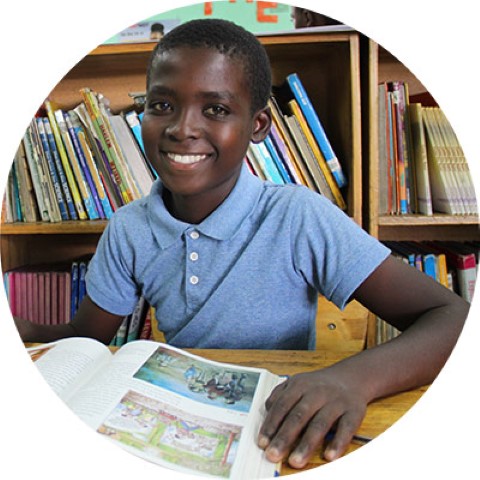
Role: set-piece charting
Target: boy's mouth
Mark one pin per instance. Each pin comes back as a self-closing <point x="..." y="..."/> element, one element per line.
<point x="186" y="159"/>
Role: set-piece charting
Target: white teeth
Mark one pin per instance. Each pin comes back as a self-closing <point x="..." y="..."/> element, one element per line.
<point x="186" y="159"/>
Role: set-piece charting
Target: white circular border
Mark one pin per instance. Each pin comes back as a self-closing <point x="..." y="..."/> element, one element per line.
<point x="41" y="41"/>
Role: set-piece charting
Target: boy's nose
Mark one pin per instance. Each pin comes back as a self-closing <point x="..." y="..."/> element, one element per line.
<point x="183" y="125"/>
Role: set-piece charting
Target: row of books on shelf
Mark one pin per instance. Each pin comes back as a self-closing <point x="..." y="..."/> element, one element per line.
<point x="422" y="166"/>
<point x="297" y="149"/>
<point x="78" y="164"/>
<point x="87" y="162"/>
<point x="51" y="294"/>
<point x="453" y="264"/>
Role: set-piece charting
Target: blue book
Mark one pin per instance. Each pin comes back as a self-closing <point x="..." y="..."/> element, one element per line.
<point x="430" y="265"/>
<point x="52" y="170"/>
<point x="278" y="161"/>
<point x="82" y="271"/>
<point x="94" y="211"/>
<point x="74" y="289"/>
<point x="134" y="121"/>
<point x="317" y="128"/>
<point x="266" y="163"/>
<point x="61" y="174"/>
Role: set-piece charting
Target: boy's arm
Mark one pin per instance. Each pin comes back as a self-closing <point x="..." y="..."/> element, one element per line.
<point x="306" y="407"/>
<point x="89" y="321"/>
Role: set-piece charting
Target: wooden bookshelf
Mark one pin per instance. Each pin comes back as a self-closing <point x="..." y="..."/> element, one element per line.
<point x="379" y="66"/>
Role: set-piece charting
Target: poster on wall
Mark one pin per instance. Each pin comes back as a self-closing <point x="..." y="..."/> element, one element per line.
<point x="255" y="16"/>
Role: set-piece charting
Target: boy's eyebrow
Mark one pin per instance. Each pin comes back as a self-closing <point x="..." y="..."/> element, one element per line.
<point x="208" y="95"/>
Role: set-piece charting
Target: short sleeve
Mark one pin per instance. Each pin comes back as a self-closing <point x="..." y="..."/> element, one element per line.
<point x="331" y="251"/>
<point x="109" y="280"/>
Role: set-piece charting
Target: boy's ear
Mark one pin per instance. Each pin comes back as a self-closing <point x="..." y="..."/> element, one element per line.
<point x="262" y="121"/>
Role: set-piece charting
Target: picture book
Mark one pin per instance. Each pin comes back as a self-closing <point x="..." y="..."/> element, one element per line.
<point x="163" y="404"/>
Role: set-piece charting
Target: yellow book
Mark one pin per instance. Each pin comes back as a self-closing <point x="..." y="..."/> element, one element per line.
<point x="295" y="109"/>
<point x="77" y="200"/>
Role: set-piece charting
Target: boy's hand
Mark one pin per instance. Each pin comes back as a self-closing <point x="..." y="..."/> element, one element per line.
<point x="302" y="410"/>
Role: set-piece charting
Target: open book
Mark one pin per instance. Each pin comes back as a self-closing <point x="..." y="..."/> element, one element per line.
<point x="163" y="404"/>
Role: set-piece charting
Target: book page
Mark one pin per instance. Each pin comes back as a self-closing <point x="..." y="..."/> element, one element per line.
<point x="66" y="364"/>
<point x="179" y="410"/>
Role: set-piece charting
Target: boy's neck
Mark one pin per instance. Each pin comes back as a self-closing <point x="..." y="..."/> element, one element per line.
<point x="191" y="210"/>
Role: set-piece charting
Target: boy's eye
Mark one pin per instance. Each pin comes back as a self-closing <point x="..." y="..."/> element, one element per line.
<point x="161" y="107"/>
<point x="216" y="111"/>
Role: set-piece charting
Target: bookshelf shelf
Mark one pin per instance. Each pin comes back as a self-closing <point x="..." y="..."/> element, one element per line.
<point x="422" y="220"/>
<point x="65" y="228"/>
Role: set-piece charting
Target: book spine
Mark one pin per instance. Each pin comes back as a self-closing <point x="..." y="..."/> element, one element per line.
<point x="105" y="140"/>
<point x="44" y="171"/>
<point x="133" y="121"/>
<point x="59" y="169"/>
<point x="99" y="157"/>
<point x="92" y="201"/>
<point x="318" y="131"/>
<point x="77" y="172"/>
<point x="266" y="163"/>
<point x="318" y="155"/>
<point x="74" y="278"/>
<point x="281" y="146"/>
<point x="401" y="151"/>
<point x="67" y="170"/>
<point x="34" y="171"/>
<point x="277" y="160"/>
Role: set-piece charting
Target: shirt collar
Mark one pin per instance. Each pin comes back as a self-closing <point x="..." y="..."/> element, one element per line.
<point x="221" y="224"/>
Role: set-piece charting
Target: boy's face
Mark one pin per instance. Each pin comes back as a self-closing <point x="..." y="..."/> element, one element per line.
<point x="198" y="122"/>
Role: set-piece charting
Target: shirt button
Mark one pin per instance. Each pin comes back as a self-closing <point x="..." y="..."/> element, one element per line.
<point x="194" y="235"/>
<point x="194" y="256"/>
<point x="193" y="279"/>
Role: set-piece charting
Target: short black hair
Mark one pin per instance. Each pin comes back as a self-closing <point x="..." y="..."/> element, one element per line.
<point x="229" y="39"/>
<point x="157" y="27"/>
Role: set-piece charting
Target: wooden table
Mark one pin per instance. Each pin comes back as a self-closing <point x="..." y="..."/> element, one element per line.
<point x="380" y="415"/>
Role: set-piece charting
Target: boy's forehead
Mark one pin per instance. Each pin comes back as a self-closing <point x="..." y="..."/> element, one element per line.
<point x="199" y="59"/>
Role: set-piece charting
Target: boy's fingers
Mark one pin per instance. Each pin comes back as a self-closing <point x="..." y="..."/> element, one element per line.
<point x="346" y="429"/>
<point x="278" y="409"/>
<point x="314" y="436"/>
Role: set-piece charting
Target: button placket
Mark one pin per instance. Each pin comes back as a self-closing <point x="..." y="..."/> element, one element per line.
<point x="193" y="256"/>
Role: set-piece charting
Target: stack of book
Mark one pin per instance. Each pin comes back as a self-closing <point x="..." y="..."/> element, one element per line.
<point x="453" y="264"/>
<point x="46" y="294"/>
<point x="80" y="164"/>
<point x="51" y="294"/>
<point x="422" y="167"/>
<point x="297" y="149"/>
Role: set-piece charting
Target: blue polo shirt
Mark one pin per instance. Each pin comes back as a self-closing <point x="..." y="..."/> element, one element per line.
<point x="248" y="276"/>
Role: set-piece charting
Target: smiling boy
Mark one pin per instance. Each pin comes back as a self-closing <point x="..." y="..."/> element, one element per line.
<point x="229" y="261"/>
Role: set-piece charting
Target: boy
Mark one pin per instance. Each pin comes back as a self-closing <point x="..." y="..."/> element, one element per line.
<point x="230" y="261"/>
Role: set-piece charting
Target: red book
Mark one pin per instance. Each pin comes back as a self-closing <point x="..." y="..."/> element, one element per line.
<point x="41" y="297"/>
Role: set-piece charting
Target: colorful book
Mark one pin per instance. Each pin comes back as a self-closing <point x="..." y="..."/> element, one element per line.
<point x="316" y="126"/>
<point x="266" y="163"/>
<point x="108" y="148"/>
<point x="87" y="149"/>
<point x="80" y="212"/>
<point x="46" y="179"/>
<point x="57" y="163"/>
<point x="83" y="188"/>
<point x="272" y="150"/>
